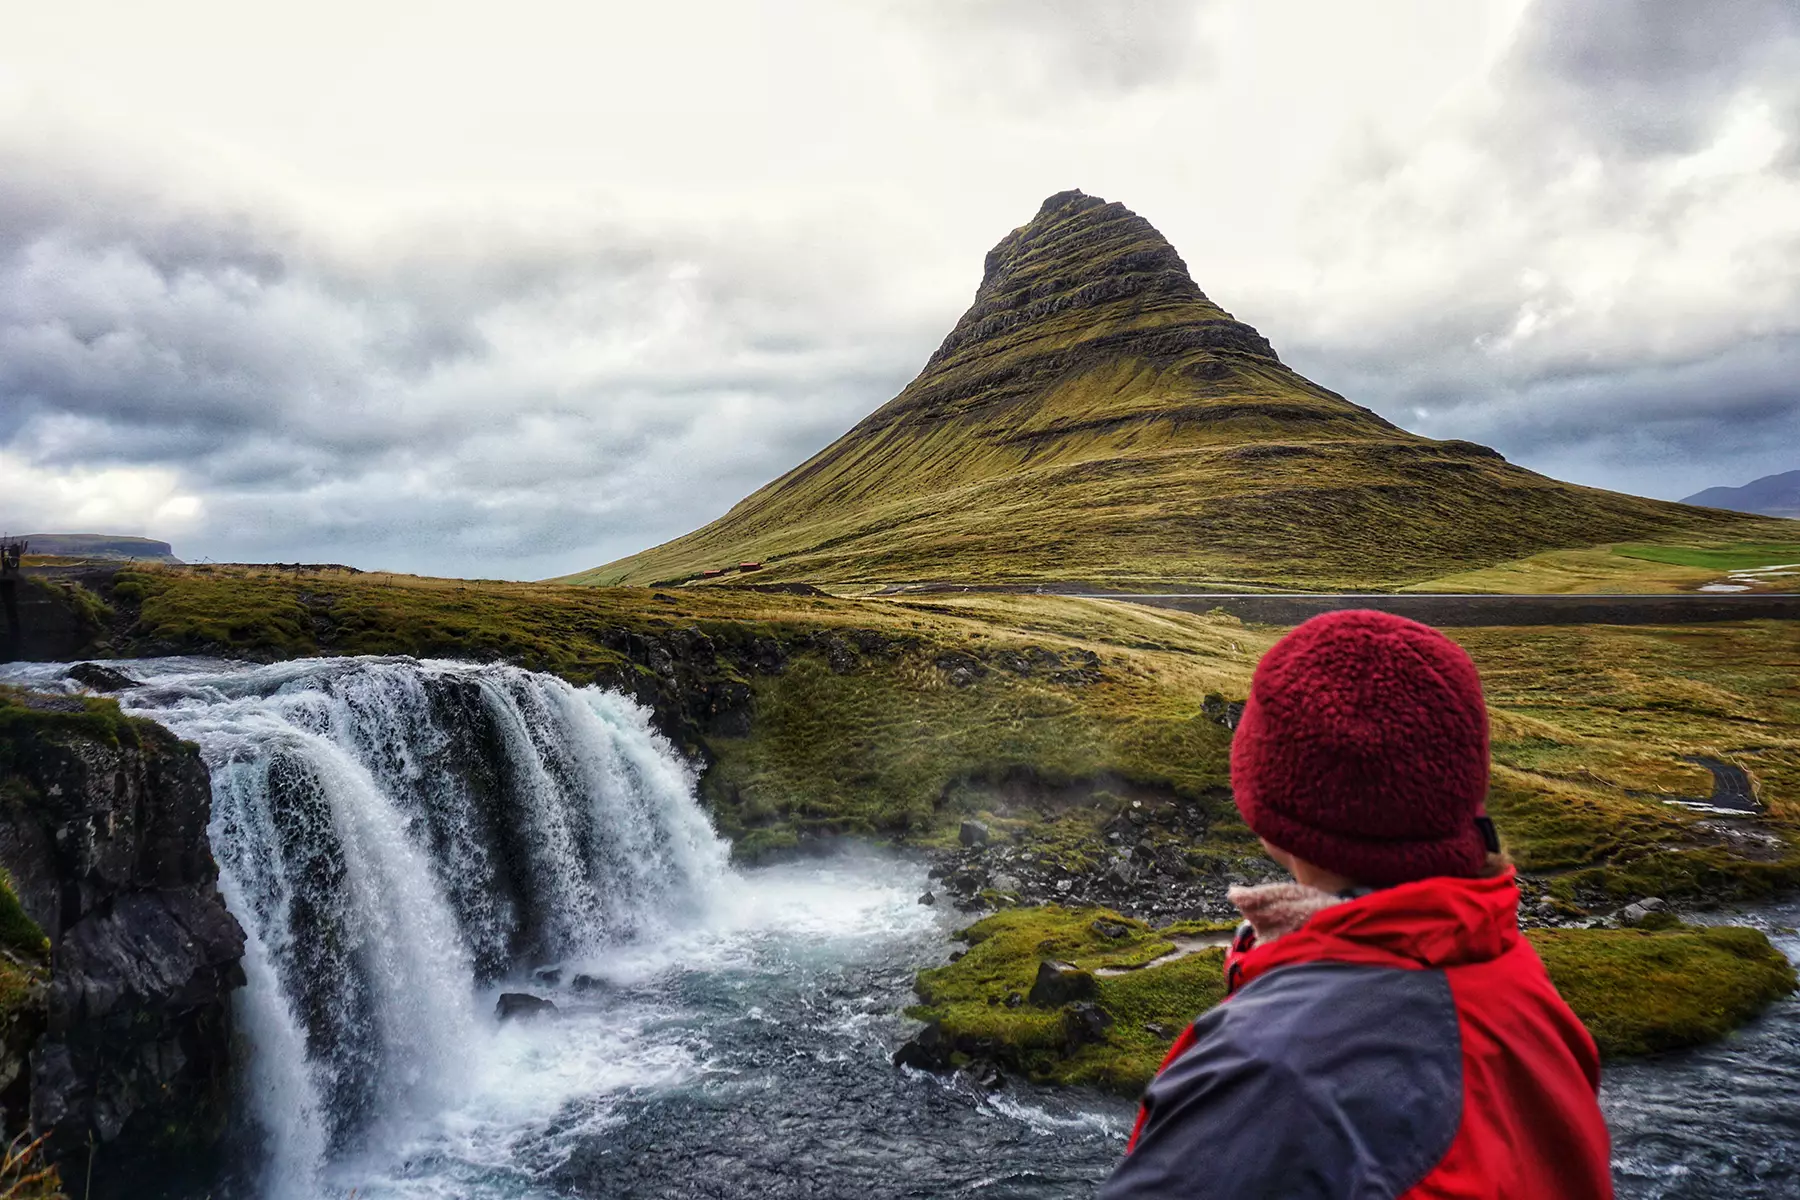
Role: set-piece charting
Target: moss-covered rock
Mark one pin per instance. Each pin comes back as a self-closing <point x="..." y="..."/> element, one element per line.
<point x="1642" y="991"/>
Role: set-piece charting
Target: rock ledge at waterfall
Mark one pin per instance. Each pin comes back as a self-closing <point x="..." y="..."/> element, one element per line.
<point x="103" y="824"/>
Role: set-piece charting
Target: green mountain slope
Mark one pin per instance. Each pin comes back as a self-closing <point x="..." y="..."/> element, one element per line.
<point x="1094" y="417"/>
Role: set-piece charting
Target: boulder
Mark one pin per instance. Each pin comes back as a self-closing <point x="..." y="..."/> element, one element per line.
<point x="972" y="833"/>
<point x="1084" y="1024"/>
<point x="928" y="1050"/>
<point x="1060" y="983"/>
<point x="1110" y="929"/>
<point x="522" y="1005"/>
<point x="99" y="678"/>
<point x="1636" y="914"/>
<point x="928" y="899"/>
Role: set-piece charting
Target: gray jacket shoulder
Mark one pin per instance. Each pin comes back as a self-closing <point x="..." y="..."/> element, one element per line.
<point x="1318" y="1080"/>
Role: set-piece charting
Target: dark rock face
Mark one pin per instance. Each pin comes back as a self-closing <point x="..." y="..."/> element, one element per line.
<point x="522" y="1005"/>
<point x="105" y="839"/>
<point x="1081" y="252"/>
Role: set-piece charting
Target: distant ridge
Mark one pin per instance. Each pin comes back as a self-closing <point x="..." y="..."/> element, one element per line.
<point x="100" y="545"/>
<point x="1771" y="496"/>
<point x="1094" y="416"/>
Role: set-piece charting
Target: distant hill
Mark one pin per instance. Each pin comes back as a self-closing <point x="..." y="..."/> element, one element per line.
<point x="1771" y="496"/>
<point x="99" y="545"/>
<point x="1095" y="417"/>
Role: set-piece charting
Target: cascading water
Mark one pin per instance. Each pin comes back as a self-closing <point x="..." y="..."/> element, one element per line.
<point x="403" y="840"/>
<point x="394" y="835"/>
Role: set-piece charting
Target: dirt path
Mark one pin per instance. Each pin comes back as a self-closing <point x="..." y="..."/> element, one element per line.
<point x="1184" y="946"/>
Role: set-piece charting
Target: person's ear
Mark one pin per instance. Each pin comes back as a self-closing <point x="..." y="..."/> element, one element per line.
<point x="1277" y="853"/>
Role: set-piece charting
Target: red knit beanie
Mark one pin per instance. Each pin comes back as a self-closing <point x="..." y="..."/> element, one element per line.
<point x="1363" y="749"/>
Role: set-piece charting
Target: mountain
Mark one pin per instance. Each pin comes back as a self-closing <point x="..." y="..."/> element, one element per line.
<point x="100" y="545"/>
<point x="1095" y="417"/>
<point x="1771" y="496"/>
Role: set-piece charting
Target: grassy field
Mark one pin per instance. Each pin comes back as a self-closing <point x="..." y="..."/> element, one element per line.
<point x="1738" y="556"/>
<point x="1625" y="568"/>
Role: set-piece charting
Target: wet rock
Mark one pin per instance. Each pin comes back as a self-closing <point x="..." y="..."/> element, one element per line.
<point x="972" y="833"/>
<point x="549" y="976"/>
<point x="105" y="842"/>
<point x="1635" y="914"/>
<point x="101" y="678"/>
<point x="984" y="1075"/>
<point x="1110" y="929"/>
<point x="522" y="1005"/>
<point x="1060" y="983"/>
<point x="927" y="1050"/>
<point x="587" y="983"/>
<point x="928" y="899"/>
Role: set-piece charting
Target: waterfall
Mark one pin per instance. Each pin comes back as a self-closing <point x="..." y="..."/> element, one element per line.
<point x="395" y="835"/>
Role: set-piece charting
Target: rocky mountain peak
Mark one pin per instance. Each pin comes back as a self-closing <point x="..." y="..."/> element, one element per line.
<point x="1084" y="255"/>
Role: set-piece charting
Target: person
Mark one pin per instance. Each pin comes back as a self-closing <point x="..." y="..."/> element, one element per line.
<point x="1388" y="1032"/>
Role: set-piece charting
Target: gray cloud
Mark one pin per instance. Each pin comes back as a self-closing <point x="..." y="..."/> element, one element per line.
<point x="540" y="405"/>
<point x="1650" y="77"/>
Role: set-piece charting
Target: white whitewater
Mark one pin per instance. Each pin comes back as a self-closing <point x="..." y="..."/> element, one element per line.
<point x="395" y="836"/>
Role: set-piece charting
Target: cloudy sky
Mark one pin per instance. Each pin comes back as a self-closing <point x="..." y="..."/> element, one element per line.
<point x="511" y="290"/>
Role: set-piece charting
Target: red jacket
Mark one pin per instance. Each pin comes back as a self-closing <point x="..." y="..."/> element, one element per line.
<point x="1407" y="1043"/>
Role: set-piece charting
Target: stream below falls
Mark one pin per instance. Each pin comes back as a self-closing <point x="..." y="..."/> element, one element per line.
<point x="405" y="841"/>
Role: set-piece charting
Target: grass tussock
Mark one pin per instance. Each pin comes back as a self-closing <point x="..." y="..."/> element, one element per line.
<point x="24" y="1173"/>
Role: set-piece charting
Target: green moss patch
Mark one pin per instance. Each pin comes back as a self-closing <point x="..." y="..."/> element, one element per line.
<point x="1641" y="992"/>
<point x="1148" y="1005"/>
<point x="96" y="717"/>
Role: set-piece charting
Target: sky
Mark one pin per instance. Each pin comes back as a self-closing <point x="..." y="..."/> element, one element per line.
<point x="513" y="290"/>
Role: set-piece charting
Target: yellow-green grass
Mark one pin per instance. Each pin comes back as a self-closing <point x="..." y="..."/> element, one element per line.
<point x="1737" y="556"/>
<point x="1590" y="728"/>
<point x="1637" y="992"/>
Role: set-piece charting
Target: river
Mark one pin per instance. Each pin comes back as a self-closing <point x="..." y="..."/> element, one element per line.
<point x="404" y="842"/>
